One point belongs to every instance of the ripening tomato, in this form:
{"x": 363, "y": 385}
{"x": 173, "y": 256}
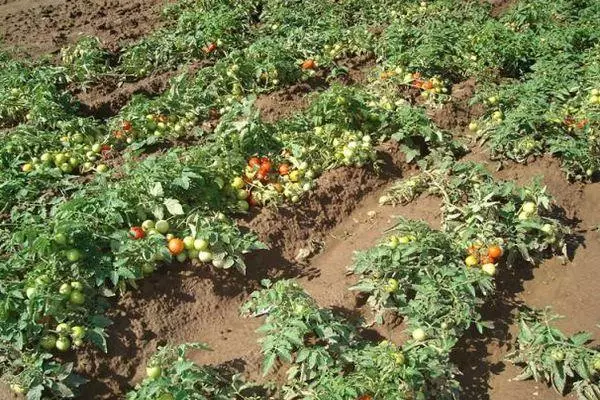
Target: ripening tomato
{"x": 262, "y": 176}
{"x": 127, "y": 126}
{"x": 176, "y": 246}
{"x": 309, "y": 64}
{"x": 284, "y": 169}
{"x": 427, "y": 85}
{"x": 365, "y": 397}
{"x": 136, "y": 233}
{"x": 471, "y": 261}
{"x": 495, "y": 252}
{"x": 254, "y": 162}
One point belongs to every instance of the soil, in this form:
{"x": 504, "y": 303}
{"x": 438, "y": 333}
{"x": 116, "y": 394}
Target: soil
{"x": 56, "y": 23}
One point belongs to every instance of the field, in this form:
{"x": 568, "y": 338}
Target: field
{"x": 267, "y": 199}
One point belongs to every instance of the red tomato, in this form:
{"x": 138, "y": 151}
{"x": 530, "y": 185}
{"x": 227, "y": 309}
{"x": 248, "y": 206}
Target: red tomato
{"x": 284, "y": 169}
{"x": 210, "y": 48}
{"x": 127, "y": 126}
{"x": 254, "y": 162}
{"x": 262, "y": 176}
{"x": 136, "y": 232}
{"x": 265, "y": 167}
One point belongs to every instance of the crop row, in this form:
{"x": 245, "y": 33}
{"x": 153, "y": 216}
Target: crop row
{"x": 436, "y": 280}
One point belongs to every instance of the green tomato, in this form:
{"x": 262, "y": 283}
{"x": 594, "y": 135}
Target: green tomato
{"x": 46, "y": 158}
{"x": 147, "y": 269}
{"x": 393, "y": 242}
{"x": 153, "y": 372}
{"x": 529, "y": 207}
{"x": 557, "y": 355}
{"x": 63, "y": 343}
{"x": 200, "y": 244}
{"x": 65, "y": 289}
{"x": 243, "y": 205}
{"x": 73, "y": 255}
{"x": 399, "y": 358}
{"x": 242, "y": 194}
{"x": 102, "y": 168}
{"x": 96, "y": 147}
{"x": 48, "y": 342}
{"x": 205, "y": 256}
{"x": 77, "y": 285}
{"x": 162, "y": 226}
{"x": 63, "y": 328}
{"x": 419, "y": 335}
{"x": 66, "y": 168}
{"x": 30, "y": 292}
{"x": 78, "y": 332}
{"x": 76, "y": 297}
{"x": 27, "y": 167}
{"x": 391, "y": 286}
{"x": 238, "y": 183}
{"x": 147, "y": 225}
{"x": 188, "y": 242}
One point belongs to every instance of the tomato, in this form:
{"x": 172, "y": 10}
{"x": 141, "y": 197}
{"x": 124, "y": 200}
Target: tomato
{"x": 294, "y": 176}
{"x": 101, "y": 168}
{"x": 77, "y": 285}
{"x": 127, "y": 126}
{"x": 309, "y": 64}
{"x": 200, "y": 244}
{"x": 548, "y": 229}
{"x": 136, "y": 233}
{"x": 242, "y": 194}
{"x": 30, "y": 292}
{"x": 284, "y": 169}
{"x": 419, "y": 335}
{"x": 365, "y": 397}
{"x": 18, "y": 389}
{"x": 265, "y": 167}
{"x": 48, "y": 342}
{"x": 166, "y": 396}
{"x": 399, "y": 358}
{"x": 211, "y": 47}
{"x": 162, "y": 226}
{"x": 529, "y": 207}
{"x": 176, "y": 246}
{"x": 73, "y": 255}
{"x": 63, "y": 343}
{"x": 489, "y": 269}
{"x": 78, "y": 332}
{"x": 63, "y": 328}
{"x": 181, "y": 257}
{"x": 153, "y": 372}
{"x": 393, "y": 242}
{"x": 147, "y": 269}
{"x": 76, "y": 297}
{"x": 471, "y": 261}
{"x": 262, "y": 176}
{"x": 65, "y": 289}
{"x": 147, "y": 225}
{"x": 205, "y": 256}
{"x": 252, "y": 200}
{"x": 404, "y": 240}
{"x": 238, "y": 183}
{"x": 428, "y": 85}
{"x": 557, "y": 355}
{"x": 596, "y": 363}
{"x": 254, "y": 162}
{"x": 243, "y": 205}
{"x": 495, "y": 252}
{"x": 473, "y": 126}
{"x": 188, "y": 242}
{"x": 391, "y": 286}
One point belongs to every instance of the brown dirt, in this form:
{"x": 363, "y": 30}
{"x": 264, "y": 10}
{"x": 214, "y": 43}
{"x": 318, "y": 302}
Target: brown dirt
{"x": 56, "y": 23}
{"x": 499, "y": 7}
{"x": 456, "y": 114}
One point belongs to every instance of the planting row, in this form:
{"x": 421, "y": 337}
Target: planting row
{"x": 436, "y": 280}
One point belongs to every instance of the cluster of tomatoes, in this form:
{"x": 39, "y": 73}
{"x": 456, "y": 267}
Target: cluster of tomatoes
{"x": 429, "y": 87}
{"x": 63, "y": 337}
{"x": 76, "y": 158}
{"x": 485, "y": 257}
{"x": 594, "y": 98}
{"x": 263, "y": 182}
{"x": 181, "y": 249}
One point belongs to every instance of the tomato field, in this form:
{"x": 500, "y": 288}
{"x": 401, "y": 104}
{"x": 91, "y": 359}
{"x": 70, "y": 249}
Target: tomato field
{"x": 285, "y": 199}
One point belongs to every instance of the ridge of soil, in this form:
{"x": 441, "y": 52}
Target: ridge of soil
{"x": 56, "y": 23}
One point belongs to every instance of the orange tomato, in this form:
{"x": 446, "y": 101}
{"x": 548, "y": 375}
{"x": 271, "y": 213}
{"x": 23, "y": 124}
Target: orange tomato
{"x": 365, "y": 397}
{"x": 254, "y": 162}
{"x": 495, "y": 252}
{"x": 427, "y": 85}
{"x": 284, "y": 169}
{"x": 176, "y": 246}
{"x": 309, "y": 64}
